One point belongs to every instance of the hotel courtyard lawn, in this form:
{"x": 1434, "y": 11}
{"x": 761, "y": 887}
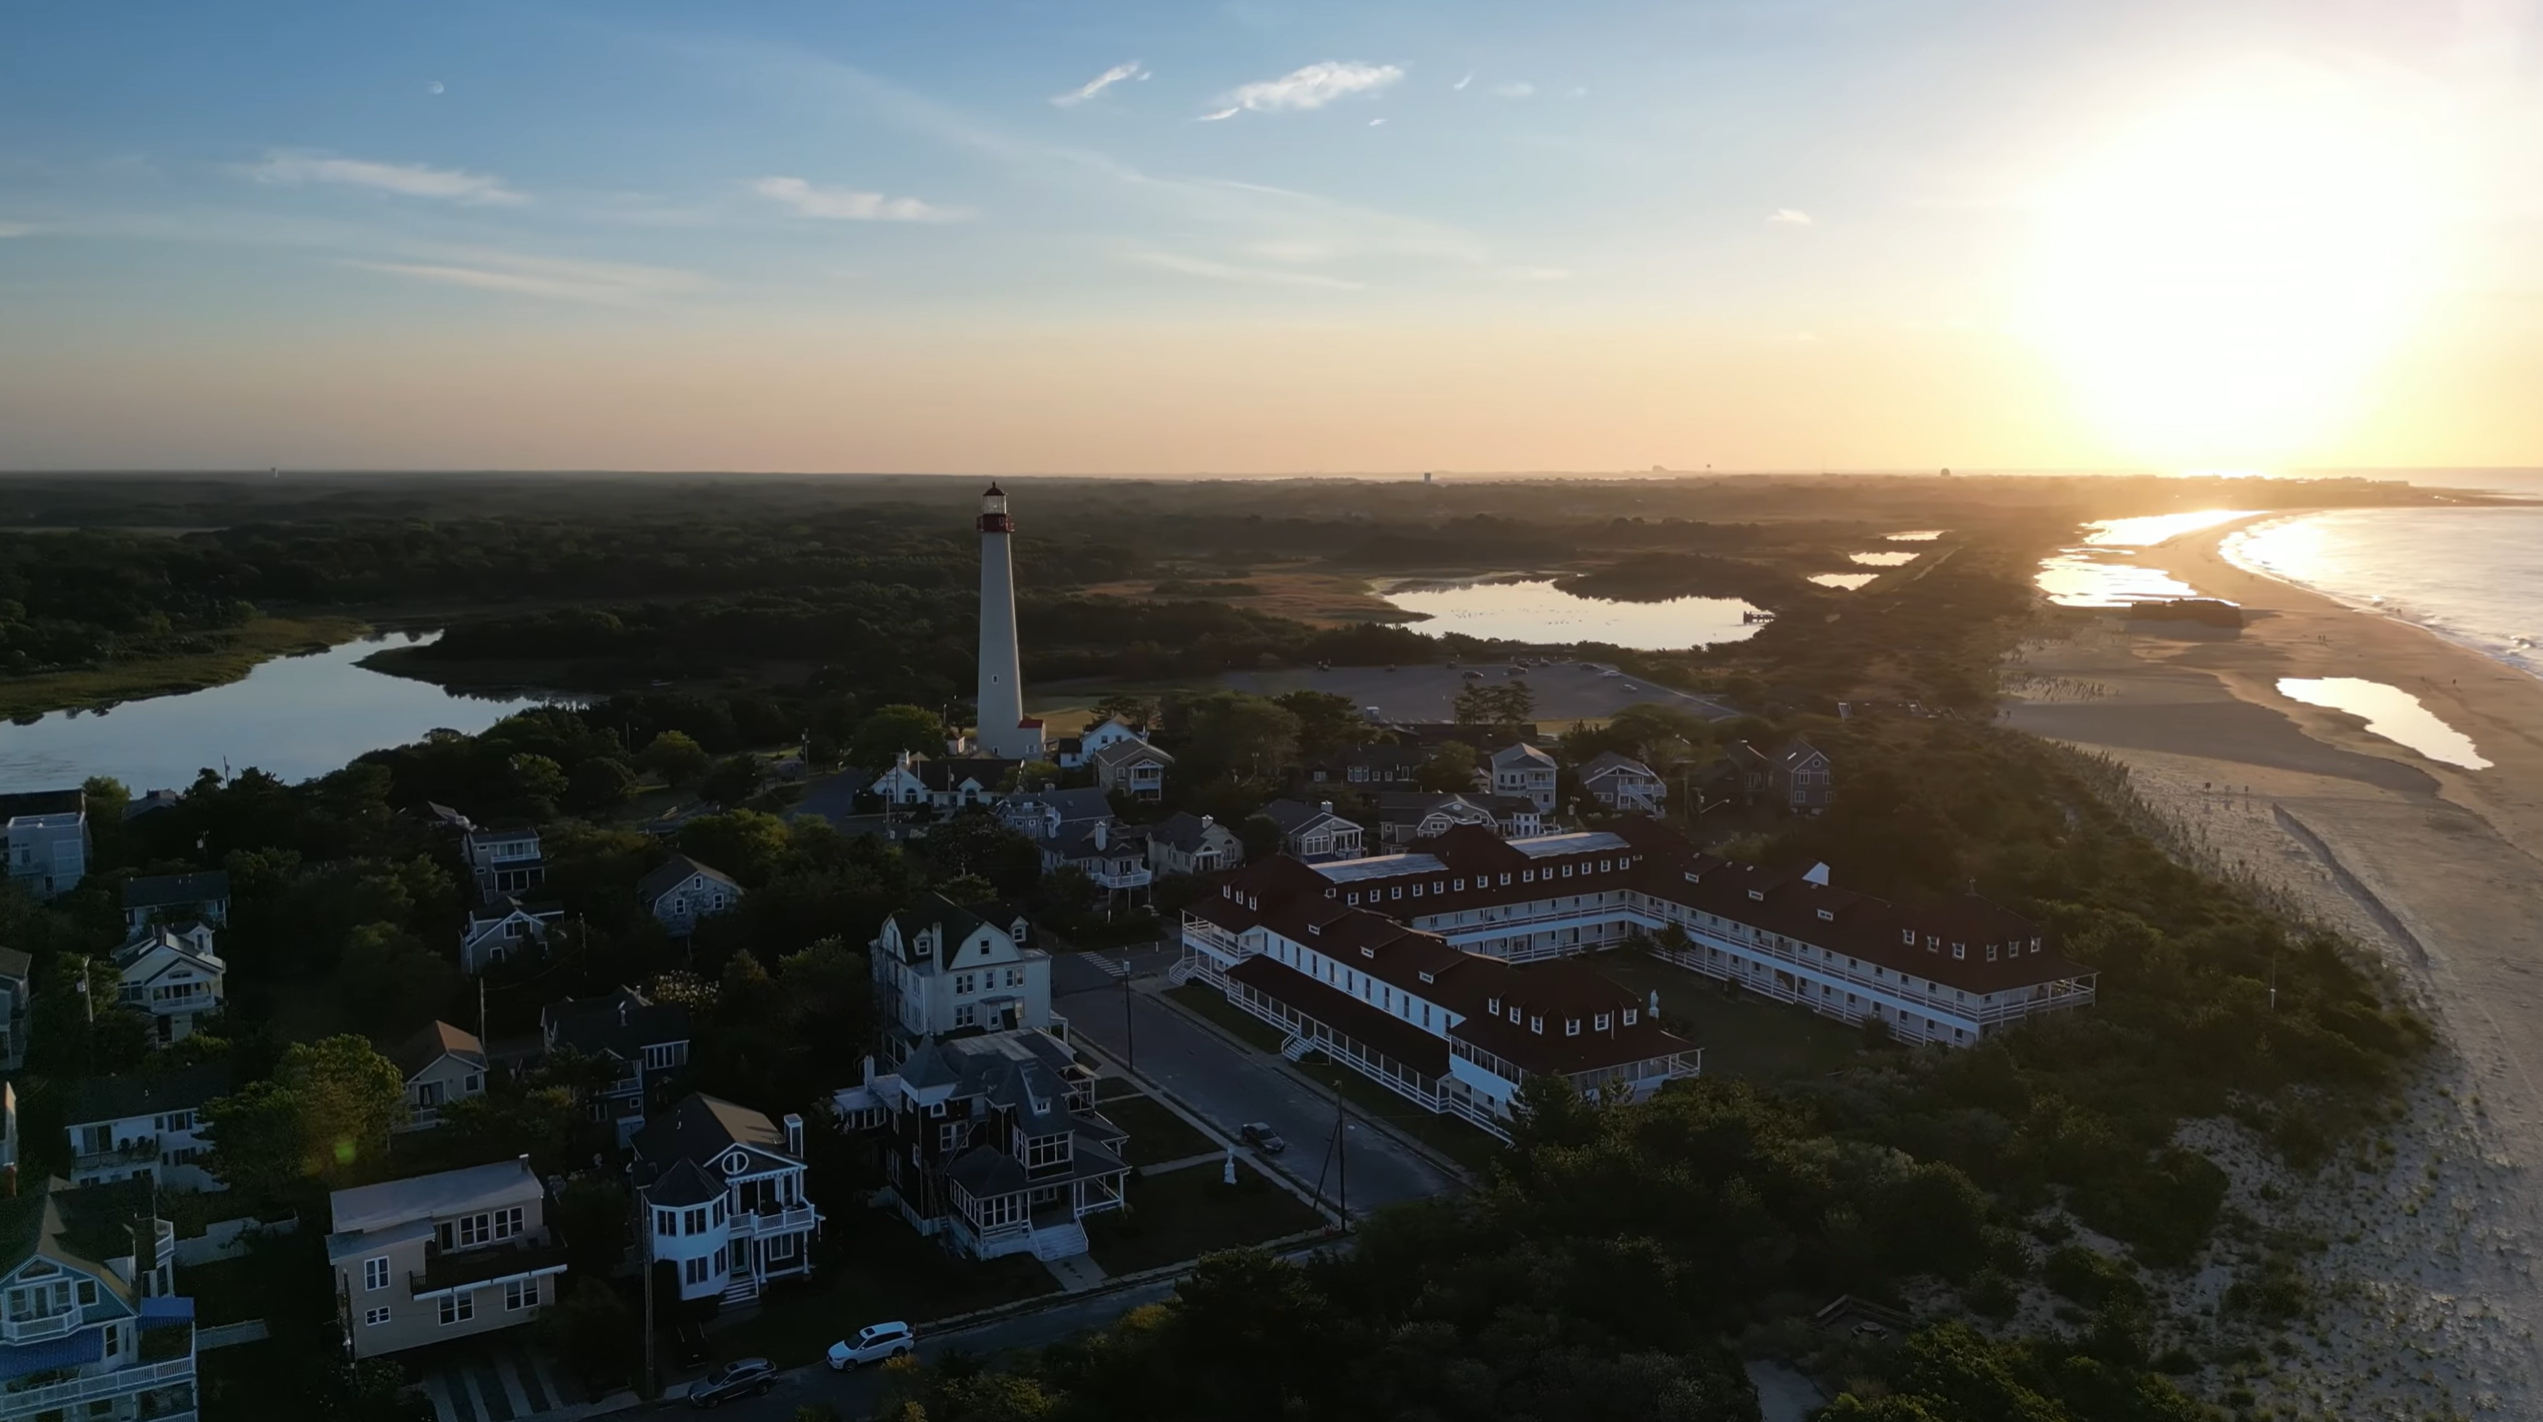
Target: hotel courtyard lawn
{"x": 1187, "y": 1213}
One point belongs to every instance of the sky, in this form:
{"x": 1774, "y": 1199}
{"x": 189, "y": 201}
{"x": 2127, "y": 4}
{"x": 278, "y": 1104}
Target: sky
{"x": 1264, "y": 237}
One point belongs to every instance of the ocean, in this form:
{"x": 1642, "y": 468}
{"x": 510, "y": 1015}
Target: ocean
{"x": 2472, "y": 575}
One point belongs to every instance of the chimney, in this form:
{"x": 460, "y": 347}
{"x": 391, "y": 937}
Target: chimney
{"x": 1101, "y": 837}
{"x": 1326, "y": 807}
{"x": 794, "y": 1135}
{"x": 622, "y": 1012}
{"x": 1208, "y": 820}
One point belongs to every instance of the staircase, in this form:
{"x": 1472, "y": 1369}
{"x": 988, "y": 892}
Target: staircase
{"x": 1182, "y": 971}
{"x": 1297, "y": 1047}
{"x": 1059, "y": 1242}
{"x": 741, "y": 1291}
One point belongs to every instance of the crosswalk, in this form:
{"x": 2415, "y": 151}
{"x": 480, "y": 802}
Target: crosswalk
{"x": 499, "y": 1382}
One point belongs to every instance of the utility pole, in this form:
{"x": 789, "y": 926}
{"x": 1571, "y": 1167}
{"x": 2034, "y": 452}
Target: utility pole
{"x": 481, "y": 1012}
{"x": 644, "y": 1227}
{"x": 1129, "y": 1027}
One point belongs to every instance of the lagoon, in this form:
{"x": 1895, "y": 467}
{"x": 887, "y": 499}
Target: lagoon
{"x": 1535, "y": 610}
{"x": 293, "y": 717}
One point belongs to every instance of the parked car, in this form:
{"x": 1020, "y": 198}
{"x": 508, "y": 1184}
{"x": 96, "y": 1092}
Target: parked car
{"x": 1474, "y": 676}
{"x": 1262, "y": 1138}
{"x": 872, "y": 1344}
{"x": 748, "y": 1376}
{"x": 1629, "y": 686}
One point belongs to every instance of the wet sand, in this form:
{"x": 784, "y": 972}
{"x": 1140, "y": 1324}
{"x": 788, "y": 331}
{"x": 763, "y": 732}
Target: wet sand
{"x": 2439, "y": 870}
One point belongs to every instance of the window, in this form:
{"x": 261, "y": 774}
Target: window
{"x": 720, "y": 1262}
{"x": 693, "y": 1221}
{"x": 458, "y": 1308}
{"x": 373, "y": 1318}
{"x": 476, "y": 1083}
{"x": 663, "y": 1056}
{"x": 375, "y": 1274}
{"x": 1630, "y": 1015}
{"x": 964, "y": 984}
{"x": 950, "y": 1135}
{"x": 1960, "y": 950}
{"x": 87, "y": 1292}
{"x": 666, "y": 1223}
{"x": 1040, "y": 1151}
{"x": 693, "y": 1271}
{"x": 1571, "y": 1026}
{"x": 965, "y": 1014}
{"x": 520, "y": 1294}
{"x": 1991, "y": 952}
{"x": 1537, "y": 1025}
{"x": 507, "y": 1223}
{"x": 1599, "y": 1023}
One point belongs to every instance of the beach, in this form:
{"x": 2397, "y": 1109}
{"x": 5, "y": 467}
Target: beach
{"x": 2429, "y": 1278}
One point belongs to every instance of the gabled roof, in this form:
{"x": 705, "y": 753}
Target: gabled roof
{"x": 675, "y": 871}
{"x": 953, "y": 923}
{"x": 87, "y": 1228}
{"x": 701, "y": 1127}
{"x": 15, "y": 963}
{"x": 1521, "y": 755}
{"x": 508, "y": 835}
{"x": 1607, "y": 763}
{"x": 683, "y": 1183}
{"x": 1128, "y": 752}
{"x": 162, "y": 936}
{"x": 1077, "y": 841}
{"x": 120, "y": 1098}
{"x": 1182, "y": 829}
{"x": 434, "y": 1042}
{"x": 151, "y": 803}
{"x": 621, "y": 1024}
{"x": 422, "y": 1197}
{"x": 1295, "y": 815}
{"x": 949, "y": 774}
{"x": 1081, "y": 802}
{"x": 165, "y": 890}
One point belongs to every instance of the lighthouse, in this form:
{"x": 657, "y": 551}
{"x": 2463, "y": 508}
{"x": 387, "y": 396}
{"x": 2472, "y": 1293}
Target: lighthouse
{"x": 1004, "y": 731}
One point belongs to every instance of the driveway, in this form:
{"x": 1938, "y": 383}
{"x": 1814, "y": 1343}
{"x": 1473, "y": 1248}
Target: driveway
{"x": 1228, "y": 1085}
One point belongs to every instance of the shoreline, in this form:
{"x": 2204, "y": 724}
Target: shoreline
{"x": 239, "y": 651}
{"x": 2428, "y": 1299}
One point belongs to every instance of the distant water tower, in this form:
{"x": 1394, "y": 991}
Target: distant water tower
{"x": 1425, "y": 476}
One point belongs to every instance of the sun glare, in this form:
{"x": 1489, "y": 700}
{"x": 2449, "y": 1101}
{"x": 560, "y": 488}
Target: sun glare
{"x": 2223, "y": 281}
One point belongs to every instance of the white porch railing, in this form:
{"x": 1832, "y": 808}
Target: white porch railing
{"x": 790, "y": 1221}
{"x": 122, "y": 1380}
{"x": 51, "y": 1325}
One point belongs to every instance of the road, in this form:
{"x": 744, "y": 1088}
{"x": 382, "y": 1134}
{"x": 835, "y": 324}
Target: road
{"x": 854, "y": 1394}
{"x": 1229, "y": 1085}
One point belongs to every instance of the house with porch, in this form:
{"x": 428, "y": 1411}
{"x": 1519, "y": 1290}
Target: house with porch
{"x": 1406, "y": 817}
{"x": 1114, "y": 857}
{"x": 1794, "y": 777}
{"x": 680, "y": 891}
{"x": 1315, "y": 831}
{"x": 1075, "y": 752}
{"x": 992, "y": 1144}
{"x": 17, "y": 987}
{"x": 1375, "y": 766}
{"x": 435, "y": 1258}
{"x": 1524, "y": 771}
{"x": 1133, "y": 768}
{"x": 91, "y": 1324}
{"x": 502, "y": 927}
{"x": 143, "y": 1126}
{"x": 200, "y": 897}
{"x": 47, "y": 838}
{"x": 173, "y": 975}
{"x": 505, "y": 861}
{"x": 724, "y": 1202}
{"x": 1185, "y": 843}
{"x": 1049, "y": 812}
{"x": 644, "y": 1043}
{"x": 441, "y": 1064}
{"x": 1624, "y": 784}
{"x": 917, "y": 781}
{"x": 941, "y": 968}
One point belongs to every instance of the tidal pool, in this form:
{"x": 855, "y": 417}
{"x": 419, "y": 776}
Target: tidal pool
{"x": 2390, "y": 712}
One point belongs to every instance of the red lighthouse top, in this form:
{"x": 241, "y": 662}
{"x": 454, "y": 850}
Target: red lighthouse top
{"x": 993, "y": 512}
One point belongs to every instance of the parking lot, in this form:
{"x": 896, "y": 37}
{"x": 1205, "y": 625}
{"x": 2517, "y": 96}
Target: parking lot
{"x": 1565, "y": 691}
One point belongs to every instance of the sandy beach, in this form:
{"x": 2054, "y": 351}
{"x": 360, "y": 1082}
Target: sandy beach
{"x": 2430, "y": 1278}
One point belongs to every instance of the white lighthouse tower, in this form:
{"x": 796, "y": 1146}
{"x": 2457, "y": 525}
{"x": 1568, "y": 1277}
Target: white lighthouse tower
{"x": 1004, "y": 731}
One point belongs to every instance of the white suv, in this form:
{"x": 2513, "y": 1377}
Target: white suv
{"x": 873, "y": 1344}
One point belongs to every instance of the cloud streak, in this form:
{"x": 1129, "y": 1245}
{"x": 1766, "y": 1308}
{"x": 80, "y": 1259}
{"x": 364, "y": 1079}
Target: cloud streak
{"x": 1248, "y": 276}
{"x": 1129, "y": 69}
{"x": 400, "y": 179}
{"x": 15, "y": 229}
{"x": 513, "y": 274}
{"x": 1312, "y": 87}
{"x": 1789, "y": 216}
{"x": 1520, "y": 90}
{"x": 850, "y": 204}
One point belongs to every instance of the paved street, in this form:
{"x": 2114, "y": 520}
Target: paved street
{"x": 1229, "y": 1085}
{"x": 854, "y": 1394}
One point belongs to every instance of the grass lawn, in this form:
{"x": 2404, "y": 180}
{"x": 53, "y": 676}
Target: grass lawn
{"x": 872, "y": 1267}
{"x": 1210, "y": 1003}
{"x": 1156, "y": 1133}
{"x": 234, "y": 652}
{"x": 1743, "y": 1036}
{"x": 1188, "y": 1213}
{"x": 1448, "y": 1135}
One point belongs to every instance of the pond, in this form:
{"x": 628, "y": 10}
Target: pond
{"x": 1535, "y": 610}
{"x": 1847, "y": 581}
{"x": 2106, "y": 571}
{"x": 294, "y": 717}
{"x": 1884, "y": 560}
{"x": 2390, "y": 712}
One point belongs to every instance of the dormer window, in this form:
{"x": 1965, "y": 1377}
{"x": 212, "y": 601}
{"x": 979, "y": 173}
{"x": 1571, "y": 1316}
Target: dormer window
{"x": 1491, "y": 1005}
{"x": 1354, "y": 900}
{"x": 1991, "y": 952}
{"x": 1630, "y": 1016}
{"x": 1960, "y": 950}
{"x": 1461, "y": 886}
{"x": 1827, "y": 915}
{"x": 1329, "y": 893}
{"x": 1368, "y": 952}
{"x": 2035, "y": 945}
{"x": 1514, "y": 1012}
{"x": 1907, "y": 936}
{"x": 1571, "y": 1026}
{"x": 1536, "y": 1025}
{"x": 1603, "y": 1021}
{"x": 1757, "y": 896}
{"x": 1426, "y": 977}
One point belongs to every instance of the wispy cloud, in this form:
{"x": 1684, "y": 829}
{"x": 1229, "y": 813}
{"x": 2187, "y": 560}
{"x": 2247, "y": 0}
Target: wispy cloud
{"x": 15, "y": 229}
{"x": 1538, "y": 274}
{"x": 851, "y": 205}
{"x": 1519, "y": 90}
{"x": 1790, "y": 216}
{"x": 402, "y": 179}
{"x": 1462, "y": 83}
{"x": 1129, "y": 69}
{"x": 1250, "y": 276}
{"x": 518, "y": 275}
{"x": 1312, "y": 87}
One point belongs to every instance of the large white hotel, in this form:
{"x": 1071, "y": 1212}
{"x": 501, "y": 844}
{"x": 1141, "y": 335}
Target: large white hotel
{"x": 1425, "y": 970}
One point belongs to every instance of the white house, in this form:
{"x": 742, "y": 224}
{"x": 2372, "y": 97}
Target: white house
{"x": 723, "y": 1188}
{"x": 949, "y": 784}
{"x": 940, "y": 968}
{"x": 1315, "y": 831}
{"x": 1185, "y": 843}
{"x": 1131, "y": 767}
{"x": 1073, "y": 752}
{"x": 1407, "y": 816}
{"x": 1524, "y": 770}
{"x": 143, "y": 1125}
{"x": 173, "y": 975}
{"x": 682, "y": 891}
{"x": 1620, "y": 782}
{"x": 17, "y": 984}
{"x": 203, "y": 897}
{"x": 502, "y": 927}
{"x": 1045, "y": 814}
{"x": 434, "y": 1258}
{"x": 91, "y": 1325}
{"x": 441, "y": 1064}
{"x": 992, "y": 1143}
{"x": 47, "y": 839}
{"x": 505, "y": 861}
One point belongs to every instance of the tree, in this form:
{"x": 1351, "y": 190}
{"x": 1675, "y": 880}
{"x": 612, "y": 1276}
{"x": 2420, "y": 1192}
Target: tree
{"x": 675, "y": 757}
{"x": 1450, "y": 769}
{"x": 735, "y": 779}
{"x": 747, "y": 844}
{"x": 537, "y": 779}
{"x": 601, "y": 783}
{"x": 393, "y": 982}
{"x": 326, "y": 1110}
{"x": 1491, "y": 703}
{"x": 594, "y": 1331}
{"x": 1232, "y": 734}
{"x": 541, "y": 1122}
{"x": 1131, "y": 711}
{"x": 881, "y": 737}
{"x": 1326, "y": 722}
{"x": 977, "y": 842}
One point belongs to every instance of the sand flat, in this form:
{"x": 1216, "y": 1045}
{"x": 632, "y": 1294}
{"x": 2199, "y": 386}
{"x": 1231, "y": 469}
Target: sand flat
{"x": 2438, "y": 868}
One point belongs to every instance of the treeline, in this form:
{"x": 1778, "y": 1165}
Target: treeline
{"x": 77, "y": 599}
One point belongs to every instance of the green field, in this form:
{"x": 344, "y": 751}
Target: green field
{"x": 234, "y": 653}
